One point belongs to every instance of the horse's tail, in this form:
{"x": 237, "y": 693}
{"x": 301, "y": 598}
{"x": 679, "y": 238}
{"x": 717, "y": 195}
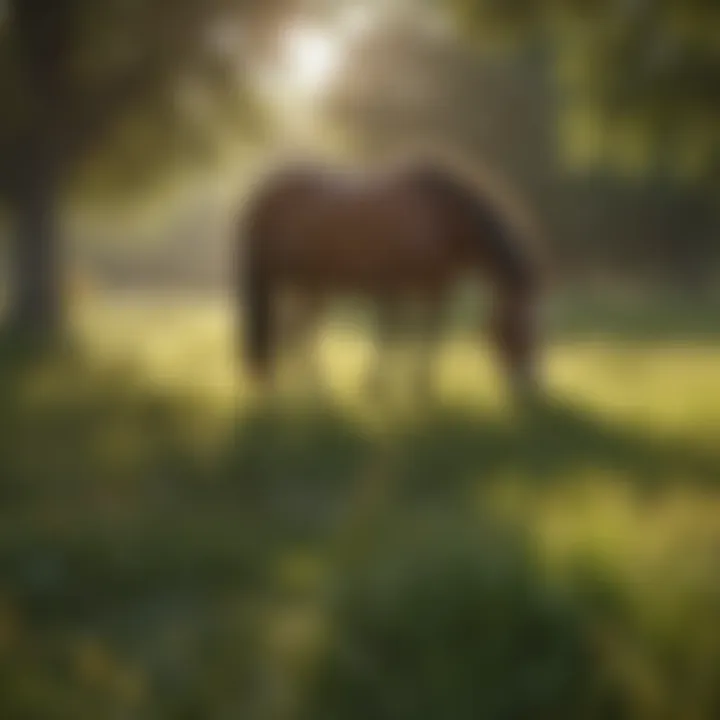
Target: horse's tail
{"x": 255, "y": 289}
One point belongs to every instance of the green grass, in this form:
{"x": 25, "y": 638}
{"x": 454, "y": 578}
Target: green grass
{"x": 172, "y": 546}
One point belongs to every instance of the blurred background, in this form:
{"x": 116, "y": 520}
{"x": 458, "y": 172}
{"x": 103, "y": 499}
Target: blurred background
{"x": 172, "y": 548}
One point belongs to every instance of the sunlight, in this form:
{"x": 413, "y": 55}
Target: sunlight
{"x": 310, "y": 60}
{"x": 313, "y": 56}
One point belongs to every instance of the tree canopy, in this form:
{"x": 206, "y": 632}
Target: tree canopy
{"x": 141, "y": 81}
{"x": 638, "y": 80}
{"x": 110, "y": 90}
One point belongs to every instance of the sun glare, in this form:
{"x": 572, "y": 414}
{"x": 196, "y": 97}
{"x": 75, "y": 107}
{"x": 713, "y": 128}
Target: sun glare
{"x": 313, "y": 57}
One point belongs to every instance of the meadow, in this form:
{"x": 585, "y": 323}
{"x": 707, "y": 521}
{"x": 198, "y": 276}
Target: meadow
{"x": 172, "y": 546}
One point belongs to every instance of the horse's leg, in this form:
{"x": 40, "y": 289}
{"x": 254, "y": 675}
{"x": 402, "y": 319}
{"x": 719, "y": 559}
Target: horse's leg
{"x": 292, "y": 331}
{"x": 431, "y": 323}
{"x": 514, "y": 330}
{"x": 388, "y": 327}
{"x": 308, "y": 317}
{"x": 310, "y": 348}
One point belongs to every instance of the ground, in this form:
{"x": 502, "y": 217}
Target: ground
{"x": 168, "y": 541}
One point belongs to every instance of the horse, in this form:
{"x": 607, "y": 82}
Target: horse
{"x": 412, "y": 230}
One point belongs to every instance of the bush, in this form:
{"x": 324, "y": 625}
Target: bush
{"x": 449, "y": 625}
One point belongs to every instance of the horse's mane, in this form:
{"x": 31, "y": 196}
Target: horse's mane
{"x": 511, "y": 237}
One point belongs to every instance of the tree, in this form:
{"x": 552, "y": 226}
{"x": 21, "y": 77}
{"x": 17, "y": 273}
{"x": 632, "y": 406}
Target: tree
{"x": 127, "y": 84}
{"x": 639, "y": 80}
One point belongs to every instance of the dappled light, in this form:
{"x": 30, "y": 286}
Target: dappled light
{"x": 359, "y": 359}
{"x": 266, "y": 506}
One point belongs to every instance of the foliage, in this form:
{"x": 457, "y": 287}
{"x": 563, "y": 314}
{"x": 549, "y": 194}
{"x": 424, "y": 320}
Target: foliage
{"x": 405, "y": 86}
{"x": 153, "y": 85}
{"x": 441, "y": 623}
{"x": 638, "y": 80}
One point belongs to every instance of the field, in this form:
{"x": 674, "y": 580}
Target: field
{"x": 173, "y": 547}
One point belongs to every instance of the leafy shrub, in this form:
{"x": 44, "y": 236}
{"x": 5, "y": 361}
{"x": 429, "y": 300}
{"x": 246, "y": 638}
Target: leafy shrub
{"x": 443, "y": 625}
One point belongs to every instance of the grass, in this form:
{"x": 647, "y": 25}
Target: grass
{"x": 170, "y": 546}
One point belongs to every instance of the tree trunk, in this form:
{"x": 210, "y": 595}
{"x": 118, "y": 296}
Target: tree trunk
{"x": 36, "y": 309}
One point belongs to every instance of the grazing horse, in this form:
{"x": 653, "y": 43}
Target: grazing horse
{"x": 407, "y": 231}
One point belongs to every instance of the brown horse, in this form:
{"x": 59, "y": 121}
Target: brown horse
{"x": 412, "y": 230}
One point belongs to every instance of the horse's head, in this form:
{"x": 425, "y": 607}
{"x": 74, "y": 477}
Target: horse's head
{"x": 515, "y": 332}
{"x": 506, "y": 242}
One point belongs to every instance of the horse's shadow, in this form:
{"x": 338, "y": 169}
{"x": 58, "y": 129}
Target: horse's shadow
{"x": 318, "y": 461}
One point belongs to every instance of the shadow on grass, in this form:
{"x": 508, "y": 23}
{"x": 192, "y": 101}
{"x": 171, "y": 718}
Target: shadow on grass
{"x": 319, "y": 459}
{"x": 548, "y": 443}
{"x": 138, "y": 530}
{"x": 74, "y": 434}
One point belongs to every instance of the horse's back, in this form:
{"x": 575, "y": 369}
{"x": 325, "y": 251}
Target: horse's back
{"x": 416, "y": 223}
{"x": 339, "y": 226}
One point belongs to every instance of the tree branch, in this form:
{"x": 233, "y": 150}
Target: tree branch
{"x": 93, "y": 114}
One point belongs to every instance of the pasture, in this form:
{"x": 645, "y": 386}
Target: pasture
{"x": 172, "y": 547}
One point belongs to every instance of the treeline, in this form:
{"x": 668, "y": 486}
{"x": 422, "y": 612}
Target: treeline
{"x": 502, "y": 111}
